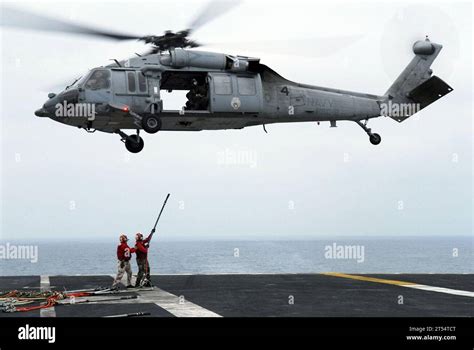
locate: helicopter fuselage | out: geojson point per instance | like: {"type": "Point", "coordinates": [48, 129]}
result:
{"type": "Point", "coordinates": [235, 92]}
{"type": "Point", "coordinates": [229, 92]}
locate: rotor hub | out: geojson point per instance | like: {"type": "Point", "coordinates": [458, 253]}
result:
{"type": "Point", "coordinates": [170, 40]}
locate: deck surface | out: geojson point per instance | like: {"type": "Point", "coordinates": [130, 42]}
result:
{"type": "Point", "coordinates": [294, 295]}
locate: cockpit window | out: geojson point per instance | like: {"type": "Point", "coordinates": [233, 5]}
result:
{"type": "Point", "coordinates": [99, 79]}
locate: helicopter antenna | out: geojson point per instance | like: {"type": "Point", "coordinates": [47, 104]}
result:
{"type": "Point", "coordinates": [115, 60]}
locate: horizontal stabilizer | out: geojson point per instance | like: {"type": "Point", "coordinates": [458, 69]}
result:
{"type": "Point", "coordinates": [429, 91]}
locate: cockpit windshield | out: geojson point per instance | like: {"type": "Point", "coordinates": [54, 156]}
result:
{"type": "Point", "coordinates": [99, 79]}
{"type": "Point", "coordinates": [78, 82]}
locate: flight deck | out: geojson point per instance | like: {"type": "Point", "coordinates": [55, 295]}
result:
{"type": "Point", "coordinates": [258, 295]}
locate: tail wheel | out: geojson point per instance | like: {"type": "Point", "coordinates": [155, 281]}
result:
{"type": "Point", "coordinates": [134, 143]}
{"type": "Point", "coordinates": [375, 139]}
{"type": "Point", "coordinates": [151, 124]}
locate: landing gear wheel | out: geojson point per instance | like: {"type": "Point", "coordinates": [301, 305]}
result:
{"type": "Point", "coordinates": [151, 124]}
{"type": "Point", "coordinates": [375, 139]}
{"type": "Point", "coordinates": [134, 143]}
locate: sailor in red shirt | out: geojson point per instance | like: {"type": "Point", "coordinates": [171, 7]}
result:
{"type": "Point", "coordinates": [124, 253]}
{"type": "Point", "coordinates": [141, 249]}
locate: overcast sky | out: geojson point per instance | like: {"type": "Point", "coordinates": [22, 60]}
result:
{"type": "Point", "coordinates": [299, 181]}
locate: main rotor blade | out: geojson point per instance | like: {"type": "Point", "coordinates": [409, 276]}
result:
{"type": "Point", "coordinates": [211, 11]}
{"type": "Point", "coordinates": [311, 47]}
{"type": "Point", "coordinates": [28, 20]}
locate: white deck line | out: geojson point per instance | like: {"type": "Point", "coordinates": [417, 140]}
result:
{"type": "Point", "coordinates": [463, 293]}
{"type": "Point", "coordinates": [176, 305]}
{"type": "Point", "coordinates": [45, 286]}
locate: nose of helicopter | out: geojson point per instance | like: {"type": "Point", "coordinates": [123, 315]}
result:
{"type": "Point", "coordinates": [42, 113]}
{"type": "Point", "coordinates": [50, 106]}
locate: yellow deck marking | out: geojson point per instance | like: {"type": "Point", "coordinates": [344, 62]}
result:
{"type": "Point", "coordinates": [418, 286]}
{"type": "Point", "coordinates": [369, 279]}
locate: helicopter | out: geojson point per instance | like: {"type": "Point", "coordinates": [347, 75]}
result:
{"type": "Point", "coordinates": [224, 91]}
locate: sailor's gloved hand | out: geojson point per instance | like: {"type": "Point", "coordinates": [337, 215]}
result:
{"type": "Point", "coordinates": [153, 231]}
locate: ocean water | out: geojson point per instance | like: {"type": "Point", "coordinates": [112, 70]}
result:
{"type": "Point", "coordinates": [380, 255]}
